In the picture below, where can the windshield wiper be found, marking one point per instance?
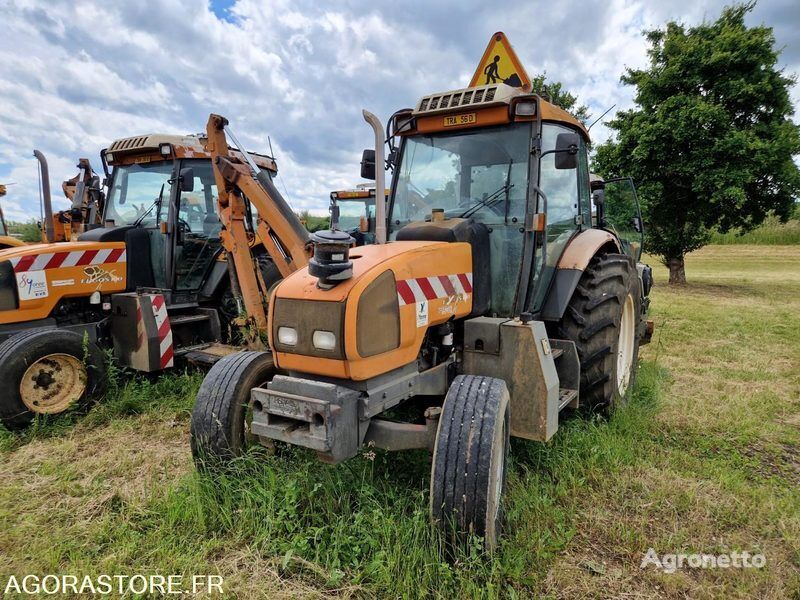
(493, 197)
(488, 201)
(157, 202)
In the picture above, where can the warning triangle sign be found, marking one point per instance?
(501, 65)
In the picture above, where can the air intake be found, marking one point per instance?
(477, 97)
(331, 263)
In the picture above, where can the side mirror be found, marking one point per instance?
(368, 164)
(567, 145)
(187, 179)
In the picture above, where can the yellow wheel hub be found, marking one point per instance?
(53, 383)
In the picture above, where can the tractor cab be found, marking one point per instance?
(162, 202)
(353, 211)
(513, 162)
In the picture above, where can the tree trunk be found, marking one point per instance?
(677, 271)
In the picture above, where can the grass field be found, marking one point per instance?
(706, 458)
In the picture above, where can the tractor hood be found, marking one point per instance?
(40, 275)
(375, 320)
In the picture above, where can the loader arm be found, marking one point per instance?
(283, 235)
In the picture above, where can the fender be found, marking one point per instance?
(573, 262)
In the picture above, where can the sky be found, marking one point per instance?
(75, 75)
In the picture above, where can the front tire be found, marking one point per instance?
(47, 372)
(602, 318)
(469, 460)
(220, 427)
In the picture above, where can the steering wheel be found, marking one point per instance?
(185, 225)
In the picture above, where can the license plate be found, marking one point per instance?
(466, 119)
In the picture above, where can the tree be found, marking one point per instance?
(553, 91)
(709, 141)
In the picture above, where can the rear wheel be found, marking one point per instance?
(46, 372)
(220, 429)
(469, 459)
(602, 319)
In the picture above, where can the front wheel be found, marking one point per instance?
(46, 372)
(220, 418)
(469, 460)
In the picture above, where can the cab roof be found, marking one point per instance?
(147, 148)
(486, 100)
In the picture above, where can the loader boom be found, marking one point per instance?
(280, 230)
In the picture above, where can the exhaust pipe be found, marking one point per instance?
(380, 177)
(46, 199)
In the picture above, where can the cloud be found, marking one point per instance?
(77, 75)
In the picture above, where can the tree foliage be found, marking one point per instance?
(710, 141)
(553, 91)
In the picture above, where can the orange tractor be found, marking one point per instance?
(140, 270)
(500, 292)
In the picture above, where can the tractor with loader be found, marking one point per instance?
(87, 199)
(147, 278)
(502, 289)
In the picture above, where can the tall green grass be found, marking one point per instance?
(772, 232)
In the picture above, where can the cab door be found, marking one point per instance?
(198, 241)
(621, 215)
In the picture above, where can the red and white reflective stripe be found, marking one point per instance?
(420, 289)
(77, 258)
(164, 331)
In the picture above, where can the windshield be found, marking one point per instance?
(351, 212)
(134, 191)
(482, 172)
(479, 173)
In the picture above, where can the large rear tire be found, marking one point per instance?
(47, 372)
(602, 318)
(469, 460)
(220, 418)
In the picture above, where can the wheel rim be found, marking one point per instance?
(625, 345)
(53, 383)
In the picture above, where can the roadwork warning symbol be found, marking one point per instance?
(500, 64)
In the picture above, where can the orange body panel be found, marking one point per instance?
(408, 261)
(6, 241)
(46, 273)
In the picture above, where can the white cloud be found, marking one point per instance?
(77, 75)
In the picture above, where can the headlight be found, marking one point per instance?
(308, 327)
(324, 340)
(288, 336)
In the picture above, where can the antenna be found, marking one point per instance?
(601, 116)
(272, 154)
